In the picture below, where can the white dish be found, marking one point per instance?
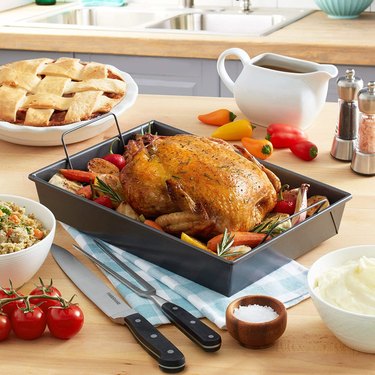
(355, 330)
(51, 136)
(22, 265)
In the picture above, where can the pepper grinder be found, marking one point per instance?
(348, 87)
(364, 152)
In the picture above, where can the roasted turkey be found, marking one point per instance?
(196, 185)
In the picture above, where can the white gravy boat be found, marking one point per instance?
(275, 88)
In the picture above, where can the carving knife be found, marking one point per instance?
(169, 357)
(192, 327)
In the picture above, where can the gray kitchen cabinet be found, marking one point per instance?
(165, 76)
(176, 76)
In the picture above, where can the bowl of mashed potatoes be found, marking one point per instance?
(27, 230)
(342, 288)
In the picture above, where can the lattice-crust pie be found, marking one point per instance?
(45, 92)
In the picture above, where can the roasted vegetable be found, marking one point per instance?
(78, 175)
(152, 224)
(286, 202)
(223, 242)
(62, 182)
(301, 204)
(101, 166)
(117, 159)
(315, 199)
(193, 241)
(274, 224)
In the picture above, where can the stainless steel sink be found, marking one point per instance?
(108, 18)
(231, 20)
(259, 22)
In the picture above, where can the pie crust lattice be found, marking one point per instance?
(45, 92)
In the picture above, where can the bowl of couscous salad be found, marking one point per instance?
(27, 230)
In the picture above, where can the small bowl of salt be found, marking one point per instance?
(256, 321)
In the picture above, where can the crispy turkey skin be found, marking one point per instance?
(195, 184)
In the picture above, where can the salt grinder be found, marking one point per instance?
(347, 123)
(364, 152)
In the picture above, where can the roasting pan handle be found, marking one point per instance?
(85, 124)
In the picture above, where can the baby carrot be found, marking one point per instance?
(251, 239)
(218, 117)
(153, 224)
(78, 175)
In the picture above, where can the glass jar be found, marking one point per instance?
(366, 130)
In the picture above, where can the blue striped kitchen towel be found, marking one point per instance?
(288, 284)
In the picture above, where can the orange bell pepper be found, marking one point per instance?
(260, 148)
(218, 117)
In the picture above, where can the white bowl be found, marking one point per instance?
(51, 136)
(355, 330)
(22, 265)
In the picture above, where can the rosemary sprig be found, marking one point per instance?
(107, 190)
(225, 244)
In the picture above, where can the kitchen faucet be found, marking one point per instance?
(187, 3)
(246, 6)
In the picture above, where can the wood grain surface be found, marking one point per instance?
(102, 347)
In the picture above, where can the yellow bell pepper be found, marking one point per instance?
(234, 131)
(193, 241)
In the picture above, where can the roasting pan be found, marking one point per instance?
(224, 276)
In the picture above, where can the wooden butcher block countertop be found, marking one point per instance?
(315, 37)
(104, 348)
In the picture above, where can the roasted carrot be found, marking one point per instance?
(38, 233)
(153, 224)
(240, 238)
(218, 117)
(260, 148)
(78, 175)
(85, 191)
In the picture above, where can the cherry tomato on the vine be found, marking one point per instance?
(65, 322)
(11, 306)
(104, 200)
(29, 324)
(117, 159)
(5, 326)
(44, 303)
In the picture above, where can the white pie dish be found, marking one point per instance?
(51, 136)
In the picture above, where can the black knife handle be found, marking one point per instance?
(169, 357)
(199, 332)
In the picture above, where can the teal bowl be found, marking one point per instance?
(343, 9)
